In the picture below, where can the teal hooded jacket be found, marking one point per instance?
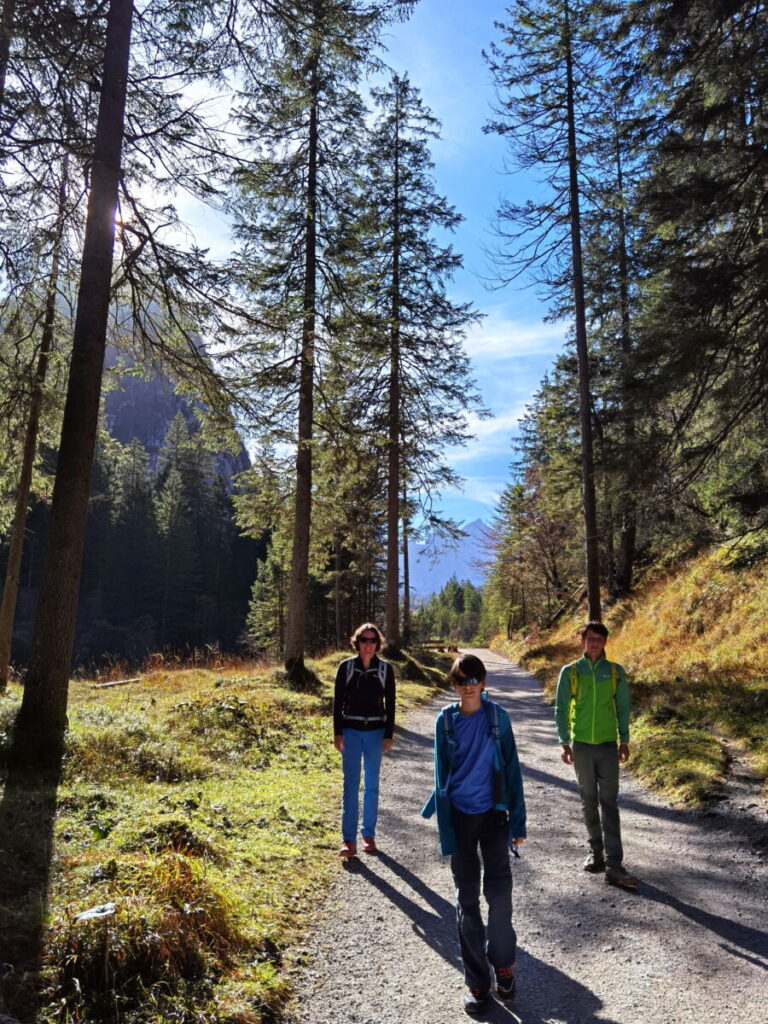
(508, 778)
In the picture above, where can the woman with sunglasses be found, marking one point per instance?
(363, 724)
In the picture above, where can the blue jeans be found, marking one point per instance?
(485, 834)
(365, 744)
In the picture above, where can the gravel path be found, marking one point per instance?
(690, 947)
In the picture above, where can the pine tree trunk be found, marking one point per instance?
(7, 16)
(297, 589)
(41, 721)
(392, 627)
(585, 400)
(406, 637)
(337, 603)
(627, 508)
(16, 543)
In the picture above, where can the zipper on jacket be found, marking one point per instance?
(594, 701)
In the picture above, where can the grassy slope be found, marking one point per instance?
(201, 808)
(695, 643)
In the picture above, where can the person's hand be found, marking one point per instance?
(386, 745)
(338, 742)
(567, 754)
(624, 752)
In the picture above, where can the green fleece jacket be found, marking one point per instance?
(593, 715)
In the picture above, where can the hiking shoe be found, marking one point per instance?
(369, 845)
(621, 878)
(595, 862)
(475, 1001)
(505, 982)
(348, 849)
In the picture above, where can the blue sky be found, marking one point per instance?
(440, 47)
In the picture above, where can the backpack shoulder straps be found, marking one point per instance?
(573, 674)
(383, 673)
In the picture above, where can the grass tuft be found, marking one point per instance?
(200, 805)
(695, 645)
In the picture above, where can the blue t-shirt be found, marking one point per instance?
(471, 785)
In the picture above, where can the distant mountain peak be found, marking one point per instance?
(435, 561)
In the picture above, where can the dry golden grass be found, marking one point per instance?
(695, 645)
(200, 806)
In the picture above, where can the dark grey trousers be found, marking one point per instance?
(485, 835)
(597, 772)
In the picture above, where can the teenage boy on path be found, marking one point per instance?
(478, 798)
(591, 708)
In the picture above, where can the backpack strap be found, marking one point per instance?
(574, 679)
(450, 739)
(383, 673)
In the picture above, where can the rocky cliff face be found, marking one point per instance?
(143, 408)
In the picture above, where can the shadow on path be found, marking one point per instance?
(750, 939)
(436, 927)
(544, 991)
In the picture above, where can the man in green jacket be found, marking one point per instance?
(591, 709)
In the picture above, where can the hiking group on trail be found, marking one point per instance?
(478, 790)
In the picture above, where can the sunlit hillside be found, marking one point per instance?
(694, 644)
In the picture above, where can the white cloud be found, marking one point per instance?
(503, 337)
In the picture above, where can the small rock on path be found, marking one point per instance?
(690, 946)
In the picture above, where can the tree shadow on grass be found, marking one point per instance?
(27, 817)
(544, 993)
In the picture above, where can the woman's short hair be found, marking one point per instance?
(467, 666)
(355, 638)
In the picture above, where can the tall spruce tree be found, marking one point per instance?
(417, 327)
(305, 118)
(703, 341)
(159, 130)
(545, 71)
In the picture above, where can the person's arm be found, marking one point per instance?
(338, 699)
(430, 806)
(622, 713)
(389, 709)
(514, 782)
(563, 712)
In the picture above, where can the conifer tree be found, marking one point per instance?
(417, 328)
(305, 118)
(545, 71)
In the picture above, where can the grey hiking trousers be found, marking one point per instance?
(597, 773)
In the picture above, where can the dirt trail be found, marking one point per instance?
(691, 946)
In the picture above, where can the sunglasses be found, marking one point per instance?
(367, 639)
(468, 682)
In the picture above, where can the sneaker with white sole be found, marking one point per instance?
(506, 982)
(475, 1000)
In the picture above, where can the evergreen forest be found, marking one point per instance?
(317, 379)
(242, 379)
